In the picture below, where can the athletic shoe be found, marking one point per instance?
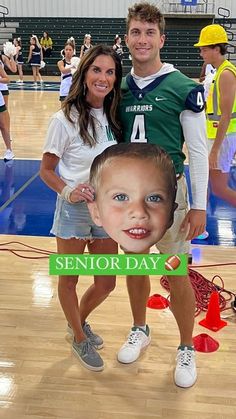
(185, 371)
(137, 340)
(9, 155)
(87, 355)
(19, 81)
(203, 236)
(94, 339)
(35, 85)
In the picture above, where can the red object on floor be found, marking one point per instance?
(213, 320)
(205, 343)
(158, 302)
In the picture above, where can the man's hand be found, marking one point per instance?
(195, 222)
(213, 158)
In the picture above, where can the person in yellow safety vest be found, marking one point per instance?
(220, 110)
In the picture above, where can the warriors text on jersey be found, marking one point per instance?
(152, 114)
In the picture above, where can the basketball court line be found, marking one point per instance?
(47, 86)
(19, 191)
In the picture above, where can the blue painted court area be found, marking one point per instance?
(27, 205)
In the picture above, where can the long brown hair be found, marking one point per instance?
(77, 96)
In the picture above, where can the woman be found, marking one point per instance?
(6, 61)
(86, 45)
(65, 67)
(5, 120)
(118, 47)
(19, 59)
(46, 44)
(34, 58)
(84, 127)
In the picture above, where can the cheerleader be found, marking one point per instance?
(65, 67)
(86, 45)
(118, 47)
(5, 120)
(34, 58)
(7, 61)
(19, 58)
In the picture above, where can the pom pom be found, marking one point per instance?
(9, 49)
(75, 62)
(42, 64)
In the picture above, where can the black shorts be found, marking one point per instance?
(5, 92)
(3, 108)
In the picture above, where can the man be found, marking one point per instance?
(162, 106)
(220, 110)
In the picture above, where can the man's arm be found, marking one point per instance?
(227, 88)
(194, 130)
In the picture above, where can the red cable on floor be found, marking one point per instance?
(203, 288)
(29, 249)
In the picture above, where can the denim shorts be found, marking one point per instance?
(74, 221)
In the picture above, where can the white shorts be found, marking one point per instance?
(173, 241)
(227, 152)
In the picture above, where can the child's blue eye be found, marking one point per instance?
(154, 198)
(121, 197)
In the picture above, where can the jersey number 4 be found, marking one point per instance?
(200, 101)
(138, 130)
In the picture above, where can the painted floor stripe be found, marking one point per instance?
(17, 193)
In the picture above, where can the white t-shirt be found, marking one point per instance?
(209, 76)
(3, 86)
(63, 140)
(210, 69)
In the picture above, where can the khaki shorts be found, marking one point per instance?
(173, 241)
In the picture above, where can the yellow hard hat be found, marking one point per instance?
(212, 35)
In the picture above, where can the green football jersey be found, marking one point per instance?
(152, 114)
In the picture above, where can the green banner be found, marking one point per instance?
(125, 264)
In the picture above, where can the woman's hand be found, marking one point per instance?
(82, 192)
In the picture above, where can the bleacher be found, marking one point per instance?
(178, 49)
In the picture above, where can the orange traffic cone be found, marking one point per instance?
(213, 320)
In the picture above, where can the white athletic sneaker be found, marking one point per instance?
(19, 81)
(9, 155)
(203, 236)
(185, 371)
(135, 343)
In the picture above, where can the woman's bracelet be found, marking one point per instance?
(65, 194)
